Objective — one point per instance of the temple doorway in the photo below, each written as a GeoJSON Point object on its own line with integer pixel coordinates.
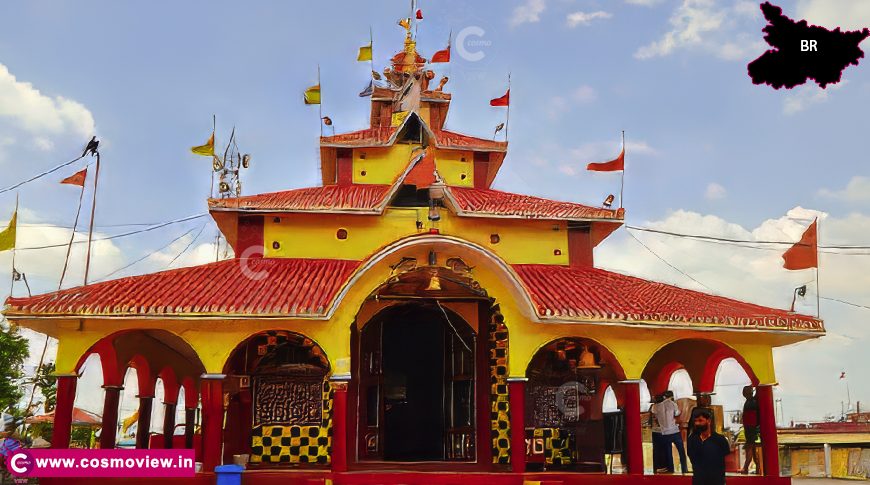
{"type": "Point", "coordinates": [417, 385]}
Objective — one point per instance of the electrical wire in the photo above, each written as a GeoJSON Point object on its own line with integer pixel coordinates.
{"type": "Point", "coordinates": [158, 226]}
{"type": "Point", "coordinates": [667, 263]}
{"type": "Point", "coordinates": [741, 241]}
{"type": "Point", "coordinates": [146, 256]}
{"type": "Point", "coordinates": [844, 302]}
{"type": "Point", "coordinates": [188, 246]}
{"type": "Point", "coordinates": [19, 184]}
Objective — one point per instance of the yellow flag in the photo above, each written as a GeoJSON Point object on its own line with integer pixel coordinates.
{"type": "Point", "coordinates": [7, 237]}
{"type": "Point", "coordinates": [365, 53]}
{"type": "Point", "coordinates": [398, 118]}
{"type": "Point", "coordinates": [312, 95]}
{"type": "Point", "coordinates": [207, 149]}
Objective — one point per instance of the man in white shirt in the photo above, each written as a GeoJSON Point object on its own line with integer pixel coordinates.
{"type": "Point", "coordinates": [665, 413]}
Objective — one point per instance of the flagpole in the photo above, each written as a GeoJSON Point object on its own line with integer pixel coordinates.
{"type": "Point", "coordinates": [320, 104]}
{"type": "Point", "coordinates": [818, 289]}
{"type": "Point", "coordinates": [508, 120]}
{"type": "Point", "coordinates": [72, 237]}
{"type": "Point", "coordinates": [213, 129]}
{"type": "Point", "coordinates": [14, 241]}
{"type": "Point", "coordinates": [371, 54]}
{"type": "Point", "coordinates": [91, 227]}
{"type": "Point", "coordinates": [622, 183]}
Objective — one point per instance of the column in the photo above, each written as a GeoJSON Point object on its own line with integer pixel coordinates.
{"type": "Point", "coordinates": [143, 429]}
{"type": "Point", "coordinates": [110, 416]}
{"type": "Point", "coordinates": [66, 396]}
{"type": "Point", "coordinates": [339, 424]}
{"type": "Point", "coordinates": [189, 425]}
{"type": "Point", "coordinates": [168, 424]}
{"type": "Point", "coordinates": [212, 421]}
{"type": "Point", "coordinates": [769, 444]}
{"type": "Point", "coordinates": [517, 391]}
{"type": "Point", "coordinates": [633, 434]}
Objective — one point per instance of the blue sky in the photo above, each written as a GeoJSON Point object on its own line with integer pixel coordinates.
{"type": "Point", "coordinates": [707, 152]}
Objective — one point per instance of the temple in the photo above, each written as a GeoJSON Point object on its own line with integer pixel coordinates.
{"type": "Point", "coordinates": [405, 323]}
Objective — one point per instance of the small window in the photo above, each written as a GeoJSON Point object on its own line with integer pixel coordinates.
{"type": "Point", "coordinates": [494, 239]}
{"type": "Point", "coordinates": [341, 234]}
{"type": "Point", "coordinates": [276, 245]}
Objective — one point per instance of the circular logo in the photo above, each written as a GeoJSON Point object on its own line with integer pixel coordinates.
{"type": "Point", "coordinates": [476, 44]}
{"type": "Point", "coordinates": [253, 267]}
{"type": "Point", "coordinates": [21, 463]}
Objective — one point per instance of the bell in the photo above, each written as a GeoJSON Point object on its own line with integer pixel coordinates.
{"type": "Point", "coordinates": [434, 284]}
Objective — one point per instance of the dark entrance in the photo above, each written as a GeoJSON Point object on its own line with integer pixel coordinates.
{"type": "Point", "coordinates": [414, 391]}
{"type": "Point", "coordinates": [416, 385]}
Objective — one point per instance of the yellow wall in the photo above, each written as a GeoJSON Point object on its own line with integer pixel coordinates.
{"type": "Point", "coordinates": [451, 167]}
{"type": "Point", "coordinates": [214, 339]}
{"type": "Point", "coordinates": [522, 241]}
{"type": "Point", "coordinates": [381, 165]}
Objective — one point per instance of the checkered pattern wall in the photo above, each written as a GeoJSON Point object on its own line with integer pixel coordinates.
{"type": "Point", "coordinates": [557, 446]}
{"type": "Point", "coordinates": [500, 412]}
{"type": "Point", "coordinates": [296, 444]}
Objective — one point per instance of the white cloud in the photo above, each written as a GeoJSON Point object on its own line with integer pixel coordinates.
{"type": "Point", "coordinates": [578, 18]}
{"type": "Point", "coordinates": [558, 106]}
{"type": "Point", "coordinates": [701, 24]}
{"type": "Point", "coordinates": [528, 12]}
{"type": "Point", "coordinates": [30, 119]}
{"type": "Point", "coordinates": [808, 95]}
{"type": "Point", "coordinates": [715, 191]}
{"type": "Point", "coordinates": [750, 9]}
{"type": "Point", "coordinates": [848, 15]}
{"type": "Point", "coordinates": [858, 189]}
{"type": "Point", "coordinates": [585, 94]}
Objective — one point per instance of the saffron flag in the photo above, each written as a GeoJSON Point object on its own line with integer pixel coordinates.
{"type": "Point", "coordinates": [76, 179]}
{"type": "Point", "coordinates": [843, 375]}
{"type": "Point", "coordinates": [502, 101]}
{"type": "Point", "coordinates": [804, 254]}
{"type": "Point", "coordinates": [7, 237]}
{"type": "Point", "coordinates": [365, 53]}
{"type": "Point", "coordinates": [441, 56]}
{"type": "Point", "coordinates": [611, 166]}
{"type": "Point", "coordinates": [207, 149]}
{"type": "Point", "coordinates": [419, 15]}
{"type": "Point", "coordinates": [312, 95]}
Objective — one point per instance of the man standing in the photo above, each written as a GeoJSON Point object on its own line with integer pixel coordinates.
{"type": "Point", "coordinates": [708, 450]}
{"type": "Point", "coordinates": [665, 413]}
{"type": "Point", "coordinates": [751, 429]}
{"type": "Point", "coordinates": [658, 449]}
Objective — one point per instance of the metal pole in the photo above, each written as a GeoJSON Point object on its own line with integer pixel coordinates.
{"type": "Point", "coordinates": [508, 120]}
{"type": "Point", "coordinates": [622, 184]}
{"type": "Point", "coordinates": [14, 216]}
{"type": "Point", "coordinates": [91, 227]}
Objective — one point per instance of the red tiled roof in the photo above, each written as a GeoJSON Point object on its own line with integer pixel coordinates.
{"type": "Point", "coordinates": [449, 139]}
{"type": "Point", "coordinates": [596, 294]}
{"type": "Point", "coordinates": [267, 286]}
{"type": "Point", "coordinates": [362, 138]}
{"type": "Point", "coordinates": [497, 203]}
{"type": "Point", "coordinates": [330, 197]}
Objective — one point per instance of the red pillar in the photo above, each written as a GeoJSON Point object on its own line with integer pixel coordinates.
{"type": "Point", "coordinates": [189, 424]}
{"type": "Point", "coordinates": [66, 396]}
{"type": "Point", "coordinates": [517, 392]}
{"type": "Point", "coordinates": [212, 421]}
{"type": "Point", "coordinates": [769, 445]}
{"type": "Point", "coordinates": [634, 436]}
{"type": "Point", "coordinates": [168, 424]}
{"type": "Point", "coordinates": [143, 429]}
{"type": "Point", "coordinates": [110, 416]}
{"type": "Point", "coordinates": [339, 426]}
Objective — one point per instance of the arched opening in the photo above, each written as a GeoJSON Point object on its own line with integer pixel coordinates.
{"type": "Point", "coordinates": [565, 418]}
{"type": "Point", "coordinates": [158, 405]}
{"type": "Point", "coordinates": [417, 376]}
{"type": "Point", "coordinates": [128, 411]}
{"type": "Point", "coordinates": [278, 400]}
{"type": "Point", "coordinates": [680, 383]}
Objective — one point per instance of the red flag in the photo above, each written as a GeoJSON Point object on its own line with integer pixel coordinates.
{"type": "Point", "coordinates": [441, 56]}
{"type": "Point", "coordinates": [804, 254]}
{"type": "Point", "coordinates": [611, 166]}
{"type": "Point", "coordinates": [419, 15]}
{"type": "Point", "coordinates": [502, 101]}
{"type": "Point", "coordinates": [76, 179]}
{"type": "Point", "coordinates": [843, 375]}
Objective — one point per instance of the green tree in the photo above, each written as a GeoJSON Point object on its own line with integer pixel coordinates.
{"type": "Point", "coordinates": [47, 385]}
{"type": "Point", "coordinates": [13, 352]}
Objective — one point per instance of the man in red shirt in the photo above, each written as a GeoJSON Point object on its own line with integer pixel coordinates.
{"type": "Point", "coordinates": [751, 428]}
